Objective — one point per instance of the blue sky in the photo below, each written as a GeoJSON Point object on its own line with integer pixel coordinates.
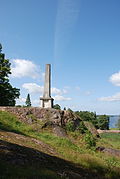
{"type": "Point", "coordinates": [79, 38]}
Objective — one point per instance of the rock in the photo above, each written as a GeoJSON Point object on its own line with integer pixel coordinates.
{"type": "Point", "coordinates": [46, 124]}
{"type": "Point", "coordinates": [48, 117]}
{"type": "Point", "coordinates": [59, 131]}
{"type": "Point", "coordinates": [30, 121]}
{"type": "Point", "coordinates": [111, 151]}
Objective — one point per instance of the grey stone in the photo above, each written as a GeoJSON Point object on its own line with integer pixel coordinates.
{"type": "Point", "coordinates": [111, 151]}
{"type": "Point", "coordinates": [46, 100]}
{"type": "Point", "coordinates": [59, 131]}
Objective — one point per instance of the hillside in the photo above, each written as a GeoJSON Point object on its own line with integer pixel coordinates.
{"type": "Point", "coordinates": [30, 151]}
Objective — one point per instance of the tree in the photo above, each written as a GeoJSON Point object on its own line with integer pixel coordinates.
{"type": "Point", "coordinates": [103, 122]}
{"type": "Point", "coordinates": [8, 94]}
{"type": "Point", "coordinates": [57, 106]}
{"type": "Point", "coordinates": [28, 101]}
{"type": "Point", "coordinates": [86, 115]}
{"type": "Point", "coordinates": [70, 110]}
{"type": "Point", "coordinates": [100, 121]}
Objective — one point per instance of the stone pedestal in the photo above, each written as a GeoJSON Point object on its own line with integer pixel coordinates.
{"type": "Point", "coordinates": [47, 102]}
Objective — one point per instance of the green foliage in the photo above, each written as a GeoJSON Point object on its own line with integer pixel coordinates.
{"type": "Point", "coordinates": [57, 106]}
{"type": "Point", "coordinates": [86, 115]}
{"type": "Point", "coordinates": [103, 122]}
{"type": "Point", "coordinates": [90, 140]}
{"type": "Point", "coordinates": [70, 126]}
{"type": "Point", "coordinates": [82, 127]}
{"type": "Point", "coordinates": [100, 122]}
{"type": "Point", "coordinates": [34, 119]}
{"type": "Point", "coordinates": [69, 110]}
{"type": "Point", "coordinates": [28, 101]}
{"type": "Point", "coordinates": [8, 94]}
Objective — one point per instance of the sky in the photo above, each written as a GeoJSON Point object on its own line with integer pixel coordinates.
{"type": "Point", "coordinates": [81, 41]}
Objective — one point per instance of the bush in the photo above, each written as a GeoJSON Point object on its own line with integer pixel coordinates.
{"type": "Point", "coordinates": [57, 106]}
{"type": "Point", "coordinates": [70, 126]}
{"type": "Point", "coordinates": [82, 127]}
{"type": "Point", "coordinates": [90, 140]}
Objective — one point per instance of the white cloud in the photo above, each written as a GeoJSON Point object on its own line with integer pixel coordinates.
{"type": "Point", "coordinates": [55, 91]}
{"type": "Point", "coordinates": [36, 89]}
{"type": "Point", "coordinates": [24, 68]}
{"type": "Point", "coordinates": [115, 97]}
{"type": "Point", "coordinates": [20, 101]}
{"type": "Point", "coordinates": [36, 102]}
{"type": "Point", "coordinates": [61, 98]}
{"type": "Point", "coordinates": [115, 79]}
{"type": "Point", "coordinates": [58, 91]}
{"type": "Point", "coordinates": [33, 88]}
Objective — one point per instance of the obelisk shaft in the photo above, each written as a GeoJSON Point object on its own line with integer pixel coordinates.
{"type": "Point", "coordinates": [46, 100]}
{"type": "Point", "coordinates": [47, 84]}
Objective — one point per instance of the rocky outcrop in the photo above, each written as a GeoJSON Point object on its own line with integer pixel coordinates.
{"type": "Point", "coordinates": [59, 131]}
{"type": "Point", "coordinates": [45, 117]}
{"type": "Point", "coordinates": [50, 117]}
{"type": "Point", "coordinates": [111, 151]}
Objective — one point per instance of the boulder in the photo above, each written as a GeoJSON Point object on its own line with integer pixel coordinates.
{"type": "Point", "coordinates": [59, 131]}
{"type": "Point", "coordinates": [111, 151]}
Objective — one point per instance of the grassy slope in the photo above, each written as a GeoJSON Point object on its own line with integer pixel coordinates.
{"type": "Point", "coordinates": [84, 162]}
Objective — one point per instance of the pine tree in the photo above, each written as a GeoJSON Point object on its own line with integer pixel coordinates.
{"type": "Point", "coordinates": [28, 101]}
{"type": "Point", "coordinates": [8, 94]}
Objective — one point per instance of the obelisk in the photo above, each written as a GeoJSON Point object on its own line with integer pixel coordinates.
{"type": "Point", "coordinates": [46, 100]}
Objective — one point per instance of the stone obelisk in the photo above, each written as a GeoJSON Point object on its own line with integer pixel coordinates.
{"type": "Point", "coordinates": [46, 100]}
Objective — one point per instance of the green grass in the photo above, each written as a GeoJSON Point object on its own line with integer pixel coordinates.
{"type": "Point", "coordinates": [111, 139]}
{"type": "Point", "coordinates": [114, 128]}
{"type": "Point", "coordinates": [73, 148]}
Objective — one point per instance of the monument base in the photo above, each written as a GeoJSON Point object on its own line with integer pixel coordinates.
{"type": "Point", "coordinates": [46, 102]}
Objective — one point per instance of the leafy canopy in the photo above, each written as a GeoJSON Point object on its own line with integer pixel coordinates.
{"type": "Point", "coordinates": [99, 121]}
{"type": "Point", "coordinates": [8, 94]}
{"type": "Point", "coordinates": [57, 106]}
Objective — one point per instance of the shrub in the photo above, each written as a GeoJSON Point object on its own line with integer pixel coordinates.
{"type": "Point", "coordinates": [82, 127]}
{"type": "Point", "coordinates": [90, 140]}
{"type": "Point", "coordinates": [70, 126]}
